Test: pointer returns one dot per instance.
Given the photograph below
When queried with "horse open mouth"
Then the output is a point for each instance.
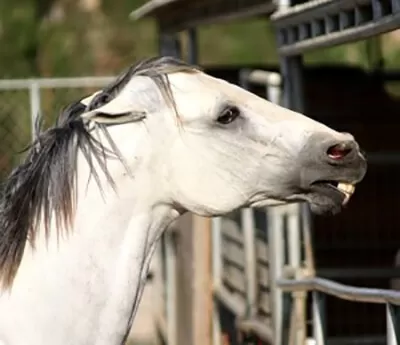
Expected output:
(345, 189)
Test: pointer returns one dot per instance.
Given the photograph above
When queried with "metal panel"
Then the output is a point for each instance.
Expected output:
(174, 16)
(323, 23)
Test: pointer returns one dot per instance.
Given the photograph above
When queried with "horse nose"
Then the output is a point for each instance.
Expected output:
(342, 151)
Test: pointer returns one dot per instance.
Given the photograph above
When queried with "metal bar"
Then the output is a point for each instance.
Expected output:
(260, 77)
(307, 238)
(393, 327)
(294, 242)
(370, 22)
(216, 258)
(193, 54)
(342, 291)
(18, 84)
(35, 102)
(257, 76)
(170, 257)
(248, 226)
(276, 259)
(298, 324)
(318, 312)
(219, 14)
(216, 224)
(170, 45)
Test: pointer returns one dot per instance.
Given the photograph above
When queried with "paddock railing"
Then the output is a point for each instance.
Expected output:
(262, 260)
(263, 266)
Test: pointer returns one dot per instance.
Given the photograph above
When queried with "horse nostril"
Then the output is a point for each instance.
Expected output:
(339, 151)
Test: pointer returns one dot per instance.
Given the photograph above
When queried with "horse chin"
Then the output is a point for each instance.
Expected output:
(330, 203)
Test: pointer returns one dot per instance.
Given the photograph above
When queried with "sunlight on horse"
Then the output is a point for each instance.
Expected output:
(80, 217)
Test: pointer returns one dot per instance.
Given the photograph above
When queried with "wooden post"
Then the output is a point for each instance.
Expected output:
(202, 281)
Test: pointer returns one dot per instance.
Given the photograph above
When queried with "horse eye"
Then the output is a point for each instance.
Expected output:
(228, 115)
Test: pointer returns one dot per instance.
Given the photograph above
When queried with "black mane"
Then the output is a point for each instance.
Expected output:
(42, 187)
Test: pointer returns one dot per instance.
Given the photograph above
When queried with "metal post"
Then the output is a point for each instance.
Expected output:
(276, 260)
(34, 94)
(249, 244)
(292, 72)
(193, 54)
(295, 263)
(393, 326)
(170, 256)
(170, 45)
(216, 272)
(318, 318)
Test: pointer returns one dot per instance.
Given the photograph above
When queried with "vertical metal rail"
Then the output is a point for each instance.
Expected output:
(171, 296)
(275, 216)
(291, 69)
(276, 261)
(34, 95)
(216, 272)
(249, 244)
(318, 313)
(393, 324)
(192, 53)
(298, 320)
(249, 236)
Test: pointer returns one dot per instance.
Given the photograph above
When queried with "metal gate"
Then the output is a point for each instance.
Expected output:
(263, 268)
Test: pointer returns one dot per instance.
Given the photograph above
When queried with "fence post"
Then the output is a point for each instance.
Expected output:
(216, 276)
(393, 327)
(34, 95)
(247, 218)
(170, 257)
(318, 318)
(276, 260)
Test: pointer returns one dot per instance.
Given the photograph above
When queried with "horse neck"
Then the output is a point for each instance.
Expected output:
(103, 262)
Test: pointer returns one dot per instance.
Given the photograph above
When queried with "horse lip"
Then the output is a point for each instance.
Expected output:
(335, 189)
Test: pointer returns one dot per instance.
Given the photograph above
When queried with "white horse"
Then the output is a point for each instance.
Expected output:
(80, 217)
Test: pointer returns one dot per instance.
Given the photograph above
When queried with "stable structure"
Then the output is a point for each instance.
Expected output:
(263, 269)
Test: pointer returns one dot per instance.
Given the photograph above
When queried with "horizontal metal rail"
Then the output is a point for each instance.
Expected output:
(322, 23)
(351, 293)
(260, 77)
(18, 84)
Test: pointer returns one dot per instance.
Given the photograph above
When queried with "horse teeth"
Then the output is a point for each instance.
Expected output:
(347, 189)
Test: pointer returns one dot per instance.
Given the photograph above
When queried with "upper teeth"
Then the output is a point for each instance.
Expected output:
(348, 189)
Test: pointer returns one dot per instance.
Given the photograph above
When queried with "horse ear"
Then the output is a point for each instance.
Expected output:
(116, 118)
(86, 101)
(119, 110)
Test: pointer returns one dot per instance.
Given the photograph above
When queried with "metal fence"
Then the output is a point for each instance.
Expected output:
(264, 272)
